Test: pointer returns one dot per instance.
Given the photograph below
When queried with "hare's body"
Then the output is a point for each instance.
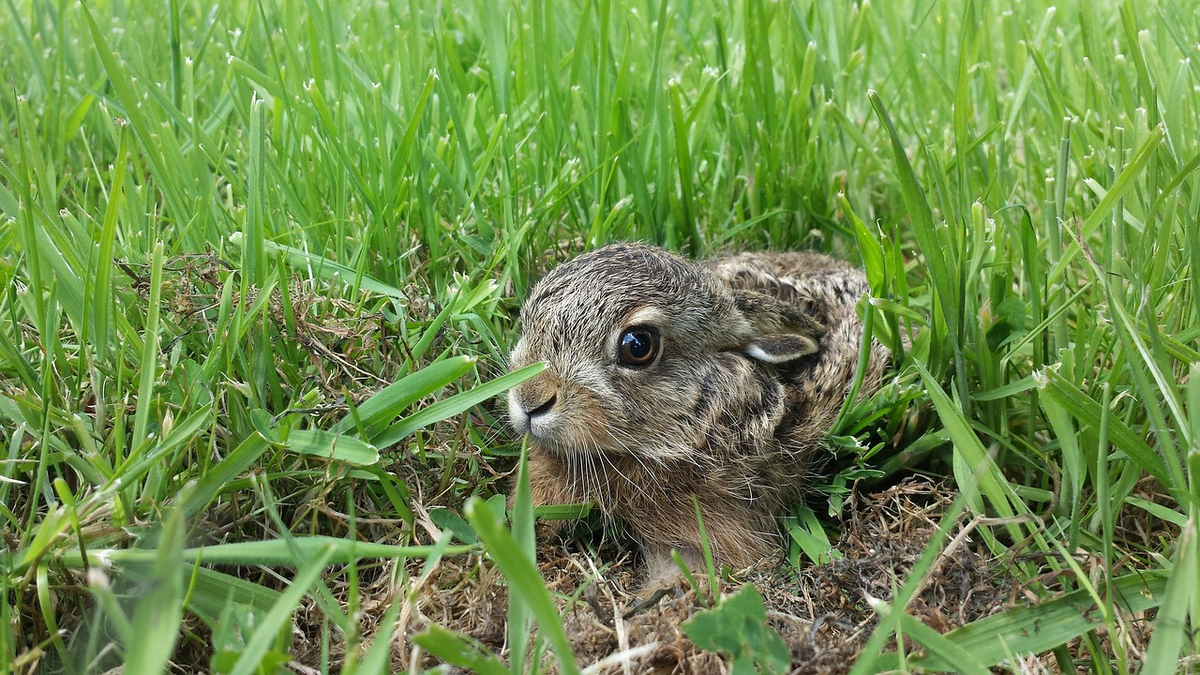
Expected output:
(669, 379)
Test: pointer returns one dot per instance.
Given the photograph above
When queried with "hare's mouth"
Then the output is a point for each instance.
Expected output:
(558, 439)
(544, 429)
(560, 436)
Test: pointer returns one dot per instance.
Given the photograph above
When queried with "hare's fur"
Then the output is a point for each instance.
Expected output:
(731, 410)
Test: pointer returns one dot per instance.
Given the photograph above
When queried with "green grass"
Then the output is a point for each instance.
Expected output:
(224, 229)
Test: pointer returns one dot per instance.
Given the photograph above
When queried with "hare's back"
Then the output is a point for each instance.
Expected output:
(818, 283)
(778, 264)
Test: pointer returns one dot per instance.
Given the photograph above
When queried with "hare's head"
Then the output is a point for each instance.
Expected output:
(647, 354)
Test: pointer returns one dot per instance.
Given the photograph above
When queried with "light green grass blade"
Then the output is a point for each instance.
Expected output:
(454, 405)
(159, 612)
(145, 394)
(254, 254)
(398, 396)
(1124, 183)
(977, 474)
(1033, 629)
(932, 246)
(271, 552)
(1087, 410)
(213, 482)
(1072, 458)
(459, 650)
(103, 328)
(210, 591)
(1171, 627)
(269, 625)
(329, 445)
(809, 535)
(519, 612)
(321, 266)
(523, 578)
(871, 251)
(184, 432)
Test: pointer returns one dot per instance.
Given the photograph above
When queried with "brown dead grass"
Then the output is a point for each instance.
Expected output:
(822, 614)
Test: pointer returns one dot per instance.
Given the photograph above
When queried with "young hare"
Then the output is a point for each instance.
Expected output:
(668, 379)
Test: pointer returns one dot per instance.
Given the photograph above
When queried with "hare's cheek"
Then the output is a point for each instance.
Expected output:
(732, 388)
(588, 422)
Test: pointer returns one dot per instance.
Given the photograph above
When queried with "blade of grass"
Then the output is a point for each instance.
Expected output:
(218, 476)
(1171, 627)
(1087, 411)
(323, 267)
(254, 256)
(945, 287)
(398, 396)
(102, 290)
(454, 405)
(977, 474)
(158, 615)
(1120, 188)
(269, 625)
(271, 552)
(145, 394)
(523, 578)
(460, 650)
(687, 200)
(1033, 629)
(210, 591)
(330, 445)
(519, 613)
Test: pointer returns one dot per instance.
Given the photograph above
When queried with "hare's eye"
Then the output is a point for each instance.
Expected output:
(638, 346)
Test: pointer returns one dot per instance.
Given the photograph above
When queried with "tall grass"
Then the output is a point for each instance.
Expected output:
(247, 246)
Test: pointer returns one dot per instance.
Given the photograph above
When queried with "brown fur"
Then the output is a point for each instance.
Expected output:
(718, 415)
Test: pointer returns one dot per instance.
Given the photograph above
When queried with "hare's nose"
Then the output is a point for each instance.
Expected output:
(541, 408)
(532, 401)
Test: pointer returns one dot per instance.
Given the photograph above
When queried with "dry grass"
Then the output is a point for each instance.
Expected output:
(822, 614)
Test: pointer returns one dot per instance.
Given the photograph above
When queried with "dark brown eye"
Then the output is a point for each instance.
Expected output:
(638, 346)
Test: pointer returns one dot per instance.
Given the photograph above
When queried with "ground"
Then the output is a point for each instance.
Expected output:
(822, 614)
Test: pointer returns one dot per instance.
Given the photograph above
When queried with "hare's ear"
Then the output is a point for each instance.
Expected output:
(779, 332)
(781, 348)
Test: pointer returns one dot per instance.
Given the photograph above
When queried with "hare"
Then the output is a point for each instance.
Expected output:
(669, 379)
